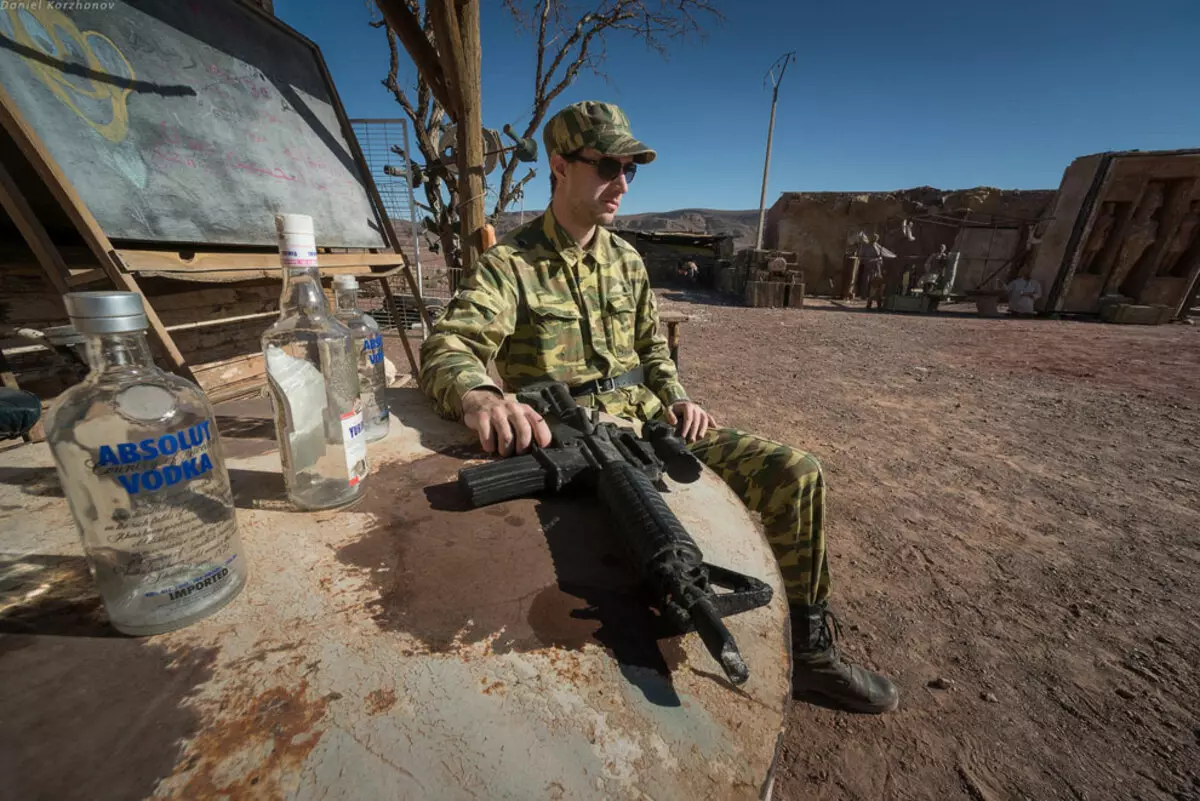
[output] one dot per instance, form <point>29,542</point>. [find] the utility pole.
<point>776,76</point>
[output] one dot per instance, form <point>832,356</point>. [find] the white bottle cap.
<point>297,245</point>
<point>294,224</point>
<point>345,281</point>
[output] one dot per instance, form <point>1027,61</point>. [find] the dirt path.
<point>1015,509</point>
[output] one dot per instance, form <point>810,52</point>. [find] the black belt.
<point>634,376</point>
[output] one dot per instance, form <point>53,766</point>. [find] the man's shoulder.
<point>528,241</point>
<point>621,250</point>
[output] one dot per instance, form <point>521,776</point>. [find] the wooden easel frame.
<point>119,266</point>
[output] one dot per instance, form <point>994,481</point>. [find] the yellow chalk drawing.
<point>58,36</point>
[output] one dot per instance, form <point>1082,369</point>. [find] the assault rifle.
<point>622,468</point>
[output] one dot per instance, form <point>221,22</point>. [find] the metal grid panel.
<point>384,143</point>
<point>377,138</point>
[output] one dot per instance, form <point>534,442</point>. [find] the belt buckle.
<point>605,384</point>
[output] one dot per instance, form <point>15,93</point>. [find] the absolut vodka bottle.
<point>368,343</point>
<point>139,458</point>
<point>312,373</point>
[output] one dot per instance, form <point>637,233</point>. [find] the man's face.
<point>592,200</point>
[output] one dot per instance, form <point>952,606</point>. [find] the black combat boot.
<point>818,668</point>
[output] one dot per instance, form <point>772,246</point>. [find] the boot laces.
<point>831,630</point>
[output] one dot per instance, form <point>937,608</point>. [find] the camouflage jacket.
<point>543,307</point>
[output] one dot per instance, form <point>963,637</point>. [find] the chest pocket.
<point>620,324</point>
<point>556,328</point>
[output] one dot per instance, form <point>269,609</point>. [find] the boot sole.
<point>817,698</point>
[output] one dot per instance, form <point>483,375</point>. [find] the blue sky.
<point>882,95</point>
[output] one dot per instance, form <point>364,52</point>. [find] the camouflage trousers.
<point>787,489</point>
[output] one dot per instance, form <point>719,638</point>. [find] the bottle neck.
<point>302,292</point>
<point>346,299</point>
<point>125,352</point>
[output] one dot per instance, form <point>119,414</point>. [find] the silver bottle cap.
<point>106,312</point>
<point>345,281</point>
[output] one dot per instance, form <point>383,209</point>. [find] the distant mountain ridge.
<point>742,225</point>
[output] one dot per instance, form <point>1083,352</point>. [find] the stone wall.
<point>815,225</point>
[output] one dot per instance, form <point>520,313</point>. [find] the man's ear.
<point>558,166</point>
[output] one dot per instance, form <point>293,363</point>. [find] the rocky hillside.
<point>742,225</point>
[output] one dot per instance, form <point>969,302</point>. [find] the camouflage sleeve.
<point>480,317</point>
<point>661,376</point>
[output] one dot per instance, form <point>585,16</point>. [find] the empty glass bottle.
<point>139,458</point>
<point>368,344</point>
<point>313,376</point>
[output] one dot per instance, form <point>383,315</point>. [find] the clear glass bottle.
<point>368,344</point>
<point>139,458</point>
<point>313,376</point>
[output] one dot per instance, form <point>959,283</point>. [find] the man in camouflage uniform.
<point>563,298</point>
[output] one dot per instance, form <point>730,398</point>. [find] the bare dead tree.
<point>429,122</point>
<point>570,40</point>
<point>570,37</point>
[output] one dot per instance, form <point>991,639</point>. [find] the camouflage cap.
<point>592,124</point>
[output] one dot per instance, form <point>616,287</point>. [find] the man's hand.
<point>691,422</point>
<point>504,426</point>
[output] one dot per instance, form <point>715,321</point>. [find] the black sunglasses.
<point>607,168</point>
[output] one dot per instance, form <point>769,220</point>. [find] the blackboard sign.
<point>185,121</point>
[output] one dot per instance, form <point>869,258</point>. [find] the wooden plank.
<point>215,299</point>
<point>241,318</point>
<point>34,233</point>
<point>223,342</point>
<point>85,277</point>
<point>166,261</point>
<point>215,374</point>
<point>237,276</point>
<point>34,310</point>
<point>17,256</point>
<point>43,307</point>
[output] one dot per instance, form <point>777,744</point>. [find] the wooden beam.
<point>241,318</point>
<point>126,281</point>
<point>406,25</point>
<point>472,217</point>
<point>456,29</point>
<point>234,276</point>
<point>444,20</point>
<point>83,278</point>
<point>35,234</point>
<point>396,319</point>
<point>170,261</point>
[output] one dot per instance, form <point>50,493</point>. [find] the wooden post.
<point>470,138</point>
<point>406,26</point>
<point>454,78</point>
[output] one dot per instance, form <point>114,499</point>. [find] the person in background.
<point>872,256</point>
<point>1023,293</point>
